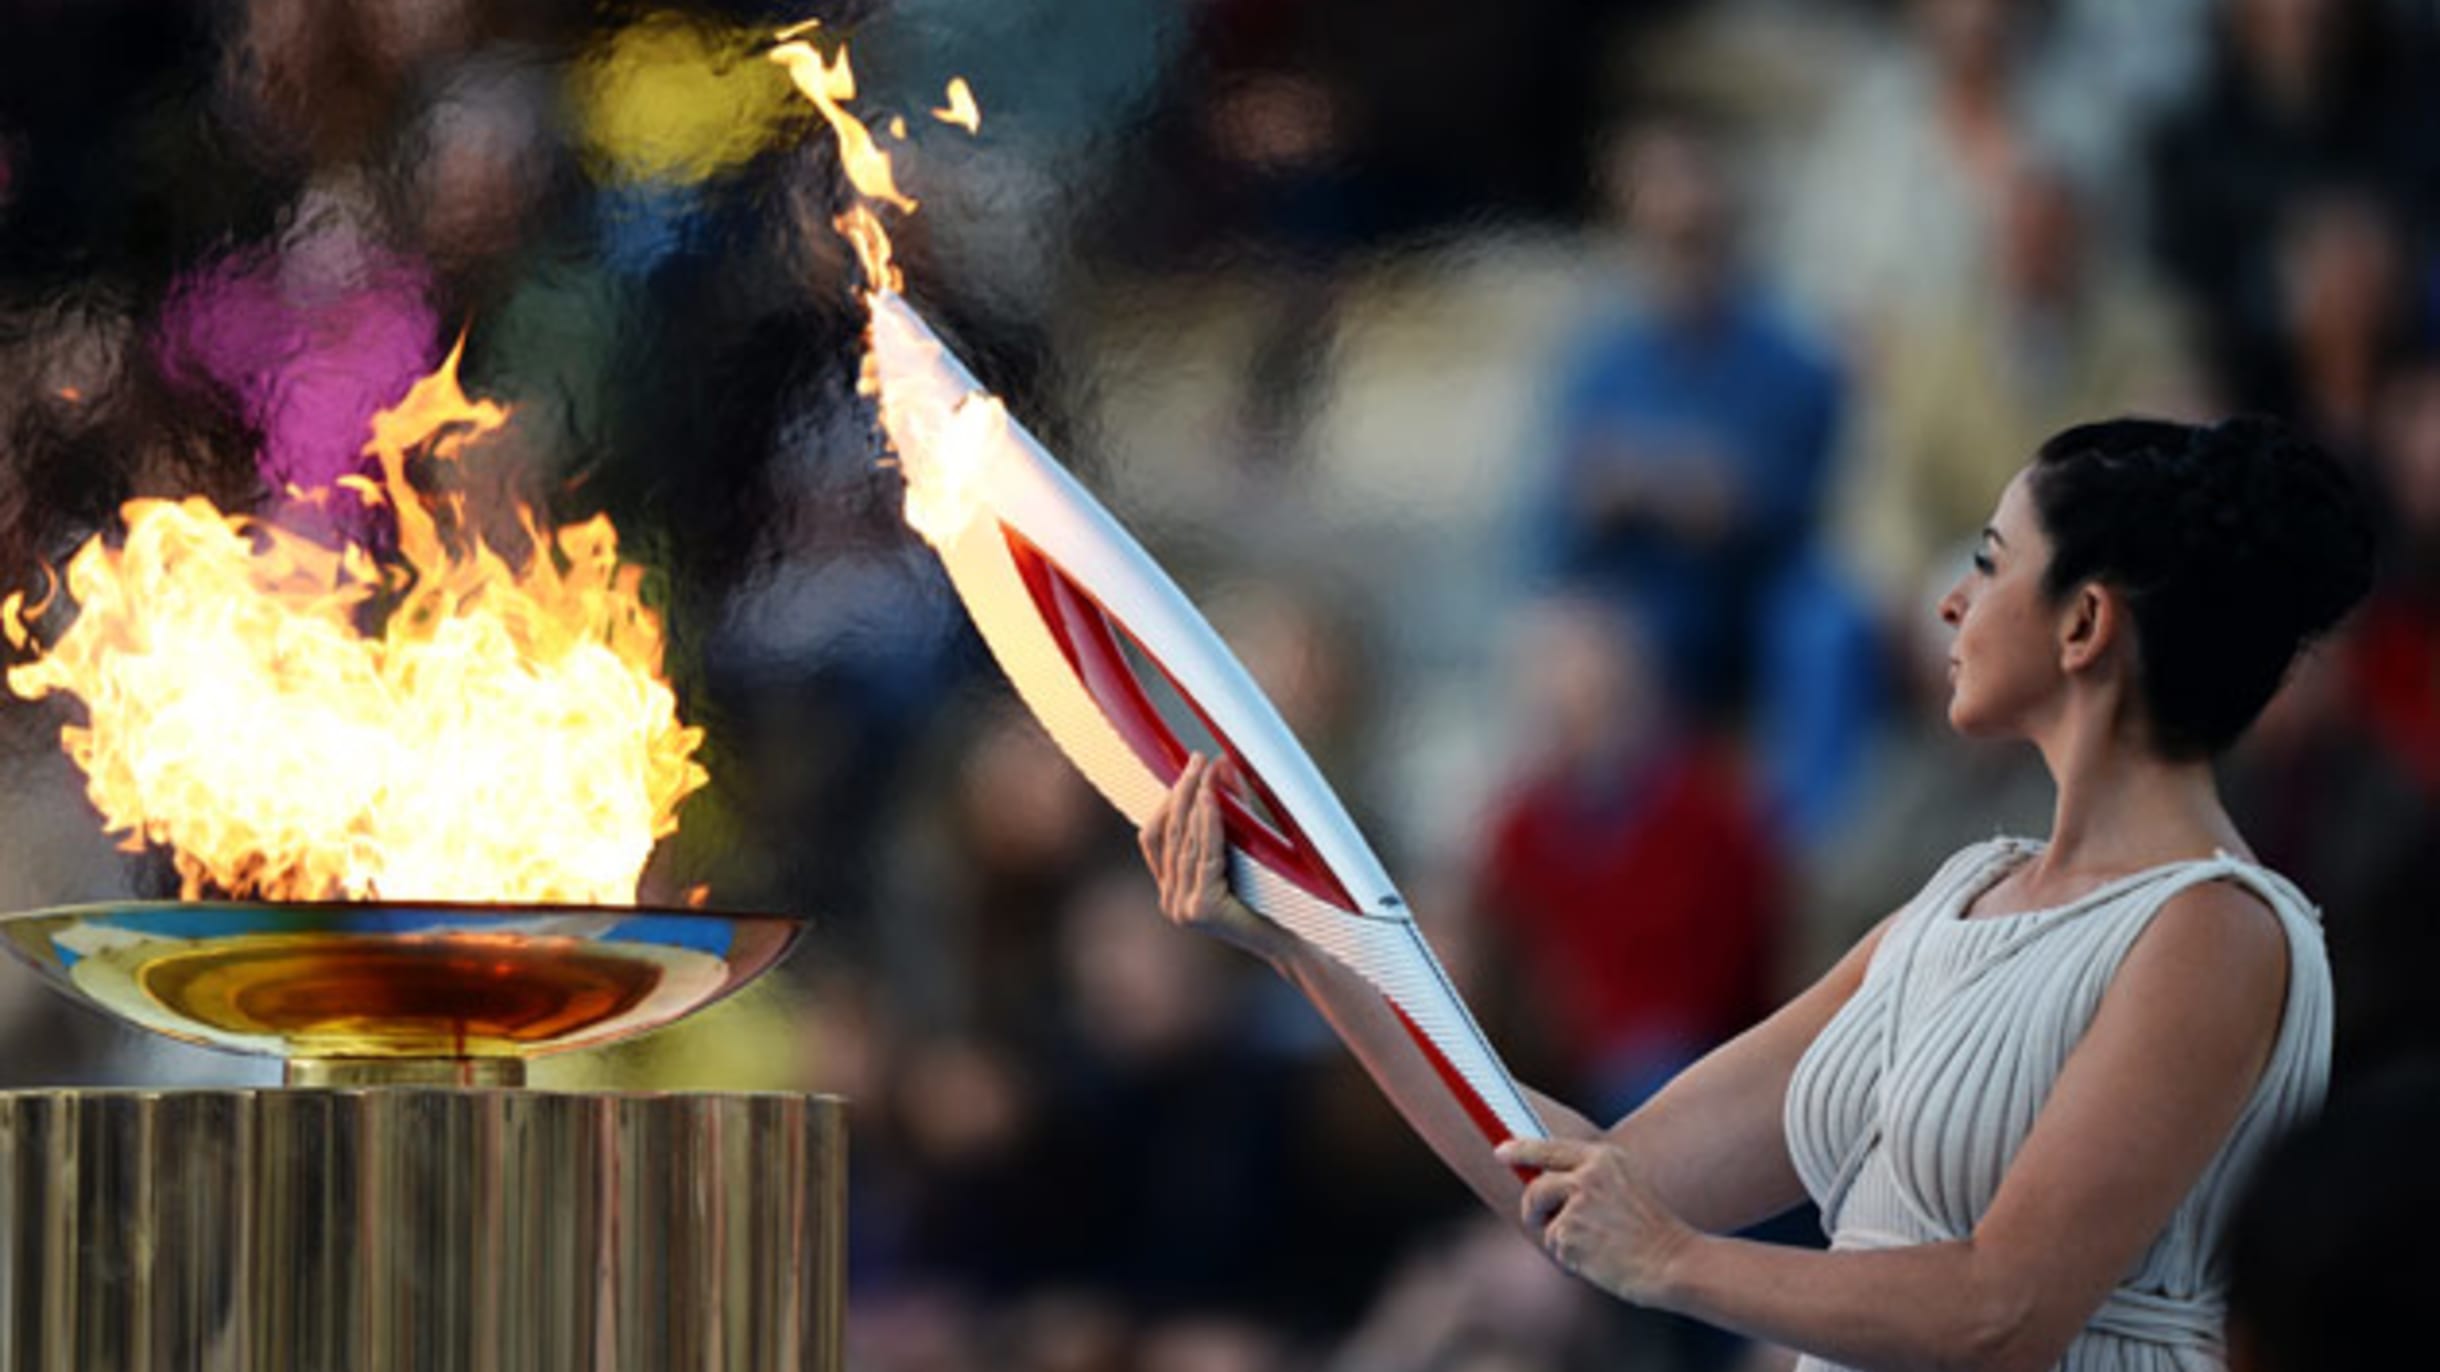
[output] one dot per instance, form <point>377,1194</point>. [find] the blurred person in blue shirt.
<point>1694,441</point>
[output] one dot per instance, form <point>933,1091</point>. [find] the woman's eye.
<point>1982,564</point>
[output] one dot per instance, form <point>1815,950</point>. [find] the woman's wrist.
<point>1676,1268</point>
<point>1237,925</point>
<point>1278,946</point>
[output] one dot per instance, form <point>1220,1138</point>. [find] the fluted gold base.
<point>362,1072</point>
<point>401,1228</point>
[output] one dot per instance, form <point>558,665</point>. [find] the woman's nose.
<point>1953,605</point>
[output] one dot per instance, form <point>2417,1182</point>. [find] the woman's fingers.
<point>1185,842</point>
<point>1547,1154</point>
<point>1211,867</point>
<point>1148,834</point>
<point>1174,895</point>
<point>1175,891</point>
<point>1206,829</point>
<point>1564,1238</point>
<point>1544,1196</point>
<point>1190,834</point>
<point>1204,876</point>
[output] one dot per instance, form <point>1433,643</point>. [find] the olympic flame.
<point>961,109</point>
<point>297,721</point>
<point>827,81</point>
<point>943,433</point>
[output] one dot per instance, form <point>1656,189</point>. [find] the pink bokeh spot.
<point>309,362</point>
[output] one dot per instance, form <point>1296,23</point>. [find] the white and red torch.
<point>1070,604</point>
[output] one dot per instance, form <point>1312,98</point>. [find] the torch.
<point>1070,603</point>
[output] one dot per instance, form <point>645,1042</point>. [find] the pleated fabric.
<point>1903,1116</point>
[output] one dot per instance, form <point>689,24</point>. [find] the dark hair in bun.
<point>2233,546</point>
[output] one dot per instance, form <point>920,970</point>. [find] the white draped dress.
<point>1903,1115</point>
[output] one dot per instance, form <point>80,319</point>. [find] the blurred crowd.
<point>1570,411</point>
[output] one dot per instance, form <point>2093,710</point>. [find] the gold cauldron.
<point>404,1202</point>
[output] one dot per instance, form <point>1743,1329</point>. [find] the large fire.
<point>445,721</point>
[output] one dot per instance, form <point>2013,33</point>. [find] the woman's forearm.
<point>1717,1155</point>
<point>1563,1120</point>
<point>1925,1307</point>
<point>1370,1029</point>
<point>1717,1188</point>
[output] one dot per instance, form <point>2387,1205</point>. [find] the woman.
<point>2021,1101</point>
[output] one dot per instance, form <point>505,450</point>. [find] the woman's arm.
<point>1184,844</point>
<point>1713,1143</point>
<point>1563,1120</point>
<point>2140,1108</point>
<point>1712,1138</point>
<point>1370,1029</point>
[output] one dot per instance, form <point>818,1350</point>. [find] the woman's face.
<point>2003,651</point>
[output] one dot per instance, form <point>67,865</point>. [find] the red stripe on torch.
<point>1087,635</point>
<point>1471,1101</point>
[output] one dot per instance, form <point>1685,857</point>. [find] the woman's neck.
<point>2122,807</point>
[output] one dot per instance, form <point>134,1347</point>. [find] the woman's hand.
<point>1188,854</point>
<point>1597,1218</point>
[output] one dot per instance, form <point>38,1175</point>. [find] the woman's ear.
<point>2091,627</point>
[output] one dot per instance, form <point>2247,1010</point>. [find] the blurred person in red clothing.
<point>2396,649</point>
<point>1627,863</point>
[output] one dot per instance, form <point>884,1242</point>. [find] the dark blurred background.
<point>1569,410</point>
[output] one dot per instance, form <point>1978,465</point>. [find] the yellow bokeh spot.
<point>674,99</point>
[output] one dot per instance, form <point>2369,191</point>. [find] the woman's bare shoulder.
<point>2213,941</point>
